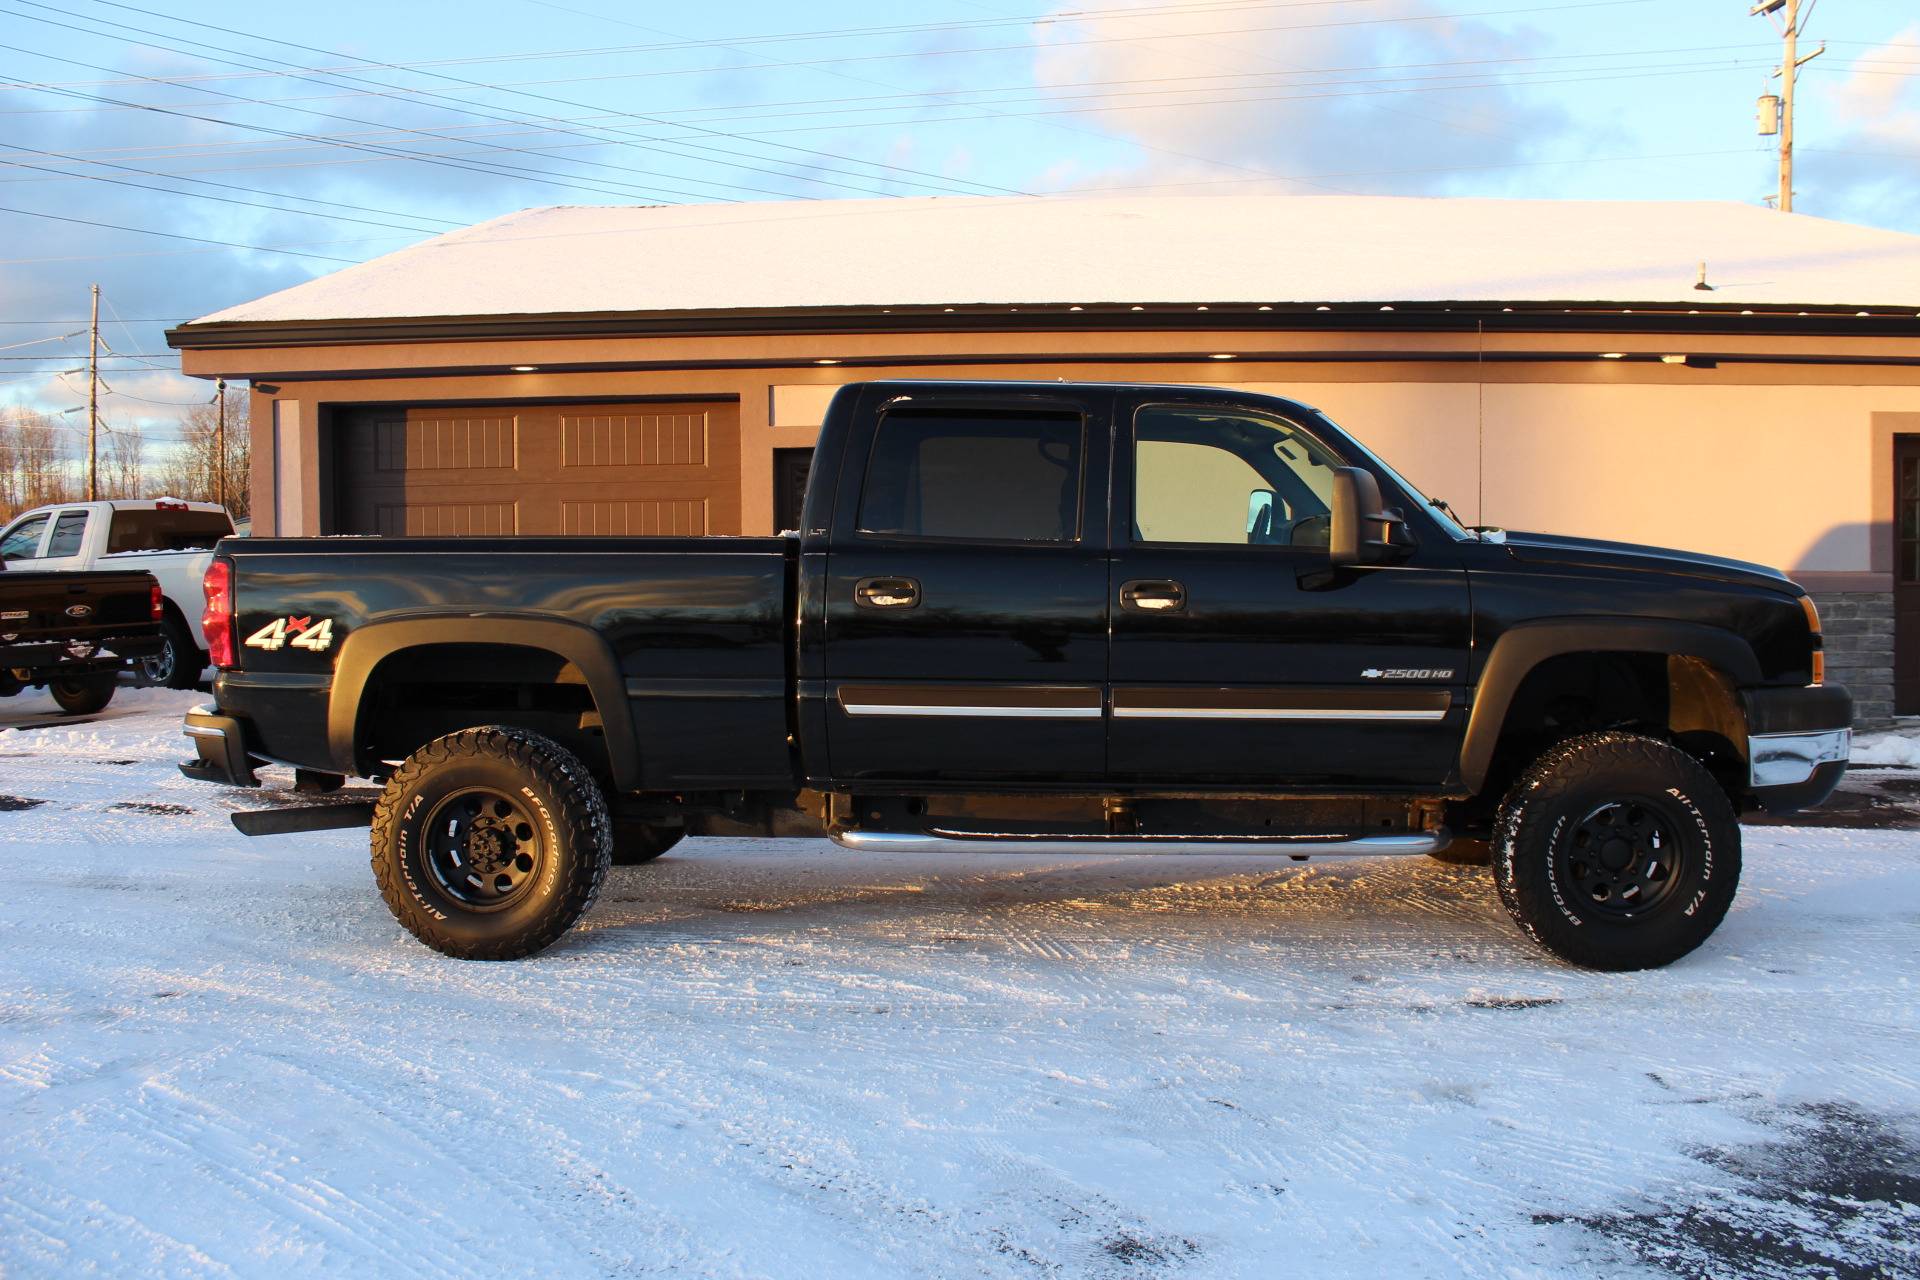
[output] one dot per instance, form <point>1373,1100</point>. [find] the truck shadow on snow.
<point>961,901</point>
<point>1837,1195</point>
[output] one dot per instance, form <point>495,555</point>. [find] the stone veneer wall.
<point>1859,642</point>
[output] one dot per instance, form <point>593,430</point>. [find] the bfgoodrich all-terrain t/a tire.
<point>489,843</point>
<point>1616,851</point>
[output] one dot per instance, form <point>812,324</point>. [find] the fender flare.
<point>367,646</point>
<point>1526,645</point>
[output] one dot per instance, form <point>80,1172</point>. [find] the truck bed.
<point>694,629</point>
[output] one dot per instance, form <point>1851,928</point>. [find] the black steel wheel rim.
<point>1622,860</point>
<point>482,848</point>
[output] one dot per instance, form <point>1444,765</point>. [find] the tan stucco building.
<point>1539,364</point>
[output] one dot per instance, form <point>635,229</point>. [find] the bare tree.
<point>199,470</point>
<point>123,471</point>
<point>36,461</point>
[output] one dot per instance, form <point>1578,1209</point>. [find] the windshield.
<point>1442,515</point>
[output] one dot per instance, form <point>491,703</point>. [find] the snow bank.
<point>1899,747</point>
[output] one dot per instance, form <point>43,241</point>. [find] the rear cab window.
<point>138,530</point>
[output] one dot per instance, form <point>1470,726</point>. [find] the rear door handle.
<point>1153,595</point>
<point>886,593</point>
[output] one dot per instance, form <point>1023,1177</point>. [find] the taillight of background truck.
<point>217,622</point>
<point>155,605</point>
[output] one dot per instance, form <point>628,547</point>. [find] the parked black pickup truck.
<point>75,632</point>
<point>1034,618</point>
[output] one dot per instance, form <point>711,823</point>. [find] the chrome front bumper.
<point>1787,759</point>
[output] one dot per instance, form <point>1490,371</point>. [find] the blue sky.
<point>143,142</point>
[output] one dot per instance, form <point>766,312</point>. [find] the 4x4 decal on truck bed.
<point>301,633</point>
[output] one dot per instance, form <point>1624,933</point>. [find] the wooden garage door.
<point>435,471</point>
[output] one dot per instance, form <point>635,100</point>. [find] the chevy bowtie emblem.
<point>79,610</point>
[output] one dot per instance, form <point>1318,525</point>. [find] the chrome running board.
<point>1264,846</point>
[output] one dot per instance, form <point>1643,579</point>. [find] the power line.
<point>95,177</point>
<point>174,235</point>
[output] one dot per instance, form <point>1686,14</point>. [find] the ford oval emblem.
<point>79,610</point>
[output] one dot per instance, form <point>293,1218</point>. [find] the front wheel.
<point>489,843</point>
<point>1616,851</point>
<point>82,695</point>
<point>635,843</point>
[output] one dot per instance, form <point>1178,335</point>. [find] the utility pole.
<point>1789,70</point>
<point>220,442</point>
<point>93,401</point>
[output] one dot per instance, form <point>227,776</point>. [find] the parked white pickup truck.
<point>171,539</point>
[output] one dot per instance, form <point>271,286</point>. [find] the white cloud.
<point>1871,171</point>
<point>1216,94</point>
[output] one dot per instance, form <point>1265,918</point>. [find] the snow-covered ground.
<point>221,1057</point>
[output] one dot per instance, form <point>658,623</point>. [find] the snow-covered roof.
<point>1062,250</point>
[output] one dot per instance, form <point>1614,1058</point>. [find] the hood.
<point>1556,548</point>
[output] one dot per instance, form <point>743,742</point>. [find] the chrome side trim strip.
<point>1270,847</point>
<point>931,709</point>
<point>1272,713</point>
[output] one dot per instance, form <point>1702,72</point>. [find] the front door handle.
<point>1153,595</point>
<point>886,593</point>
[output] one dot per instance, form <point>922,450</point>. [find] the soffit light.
<point>1613,355</point>
<point>526,368</point>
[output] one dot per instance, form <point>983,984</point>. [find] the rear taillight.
<point>155,603</point>
<point>216,623</point>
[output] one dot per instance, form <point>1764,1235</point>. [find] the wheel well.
<point>174,612</point>
<point>1683,699</point>
<point>421,693</point>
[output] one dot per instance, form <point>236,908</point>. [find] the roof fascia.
<point>1570,317</point>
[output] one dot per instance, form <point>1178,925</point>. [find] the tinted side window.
<point>1222,476</point>
<point>23,543</point>
<point>166,530</point>
<point>68,530</point>
<point>1000,477</point>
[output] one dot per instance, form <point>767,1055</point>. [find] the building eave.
<point>1518,317</point>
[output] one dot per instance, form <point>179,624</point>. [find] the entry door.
<point>966,586</point>
<point>1240,655</point>
<point>1906,576</point>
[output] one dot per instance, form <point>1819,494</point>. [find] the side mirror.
<point>1363,531</point>
<point>1260,517</point>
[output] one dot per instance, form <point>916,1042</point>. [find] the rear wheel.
<point>82,695</point>
<point>179,663</point>
<point>489,844</point>
<point>1616,851</point>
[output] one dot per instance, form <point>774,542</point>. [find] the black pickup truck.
<point>75,632</point>
<point>1038,618</point>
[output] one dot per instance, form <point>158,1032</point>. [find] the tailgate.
<point>43,607</point>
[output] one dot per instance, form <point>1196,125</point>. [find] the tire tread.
<point>583,811</point>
